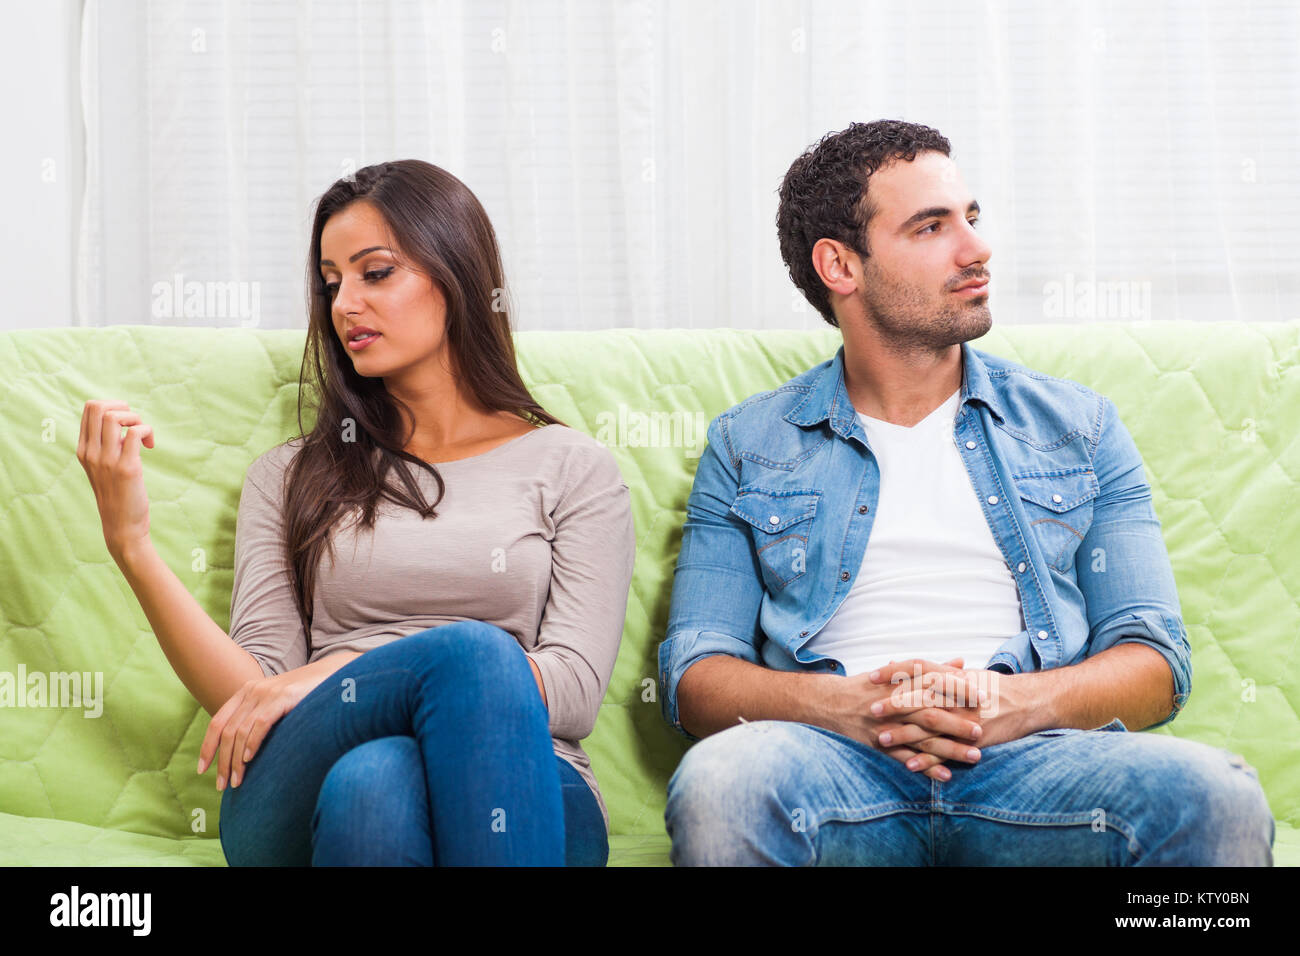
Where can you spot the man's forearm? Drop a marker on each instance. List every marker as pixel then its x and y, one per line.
pixel 715 692
pixel 1130 681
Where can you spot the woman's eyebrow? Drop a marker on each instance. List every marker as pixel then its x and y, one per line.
pixel 357 255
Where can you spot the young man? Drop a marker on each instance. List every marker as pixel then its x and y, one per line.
pixel 922 595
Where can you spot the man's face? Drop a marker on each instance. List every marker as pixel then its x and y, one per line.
pixel 923 245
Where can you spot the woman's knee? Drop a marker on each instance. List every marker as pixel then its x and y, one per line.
pixel 373 805
pixel 470 646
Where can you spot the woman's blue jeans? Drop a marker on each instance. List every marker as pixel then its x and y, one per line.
pixel 783 793
pixel 431 750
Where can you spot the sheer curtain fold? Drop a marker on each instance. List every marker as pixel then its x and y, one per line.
pixel 1133 161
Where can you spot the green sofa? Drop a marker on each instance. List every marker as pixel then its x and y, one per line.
pixel 1214 408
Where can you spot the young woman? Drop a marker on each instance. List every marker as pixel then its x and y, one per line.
pixel 429 585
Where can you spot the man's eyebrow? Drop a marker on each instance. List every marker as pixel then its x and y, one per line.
pixel 934 212
pixel 357 255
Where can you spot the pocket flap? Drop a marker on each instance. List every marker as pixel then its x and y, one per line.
pixel 772 511
pixel 1058 493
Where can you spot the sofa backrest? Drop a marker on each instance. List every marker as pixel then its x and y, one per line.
pixel 1214 408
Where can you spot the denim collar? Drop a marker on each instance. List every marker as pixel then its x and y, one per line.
pixel 828 398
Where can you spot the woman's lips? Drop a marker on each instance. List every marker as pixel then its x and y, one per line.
pixel 359 344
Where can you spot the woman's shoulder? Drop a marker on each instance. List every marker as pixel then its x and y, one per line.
pixel 564 437
pixel 267 469
pixel 572 447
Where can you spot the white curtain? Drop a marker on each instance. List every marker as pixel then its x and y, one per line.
pixel 1134 161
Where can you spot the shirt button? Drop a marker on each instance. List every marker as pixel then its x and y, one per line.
pixel 1021 567
pixel 774 520
pixel 831 666
pixel 993 499
pixel 970 444
pixel 803 633
pixel 1042 635
pixel 1056 498
pixel 844 575
pixel 862 509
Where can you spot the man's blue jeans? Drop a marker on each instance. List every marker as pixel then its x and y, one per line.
pixel 433 749
pixel 784 793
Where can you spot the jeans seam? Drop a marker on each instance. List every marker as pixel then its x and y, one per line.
pixel 864 814
pixel 829 817
pixel 1114 822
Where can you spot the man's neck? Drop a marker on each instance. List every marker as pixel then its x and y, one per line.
pixel 901 388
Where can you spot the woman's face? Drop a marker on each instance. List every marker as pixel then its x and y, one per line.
pixel 370 288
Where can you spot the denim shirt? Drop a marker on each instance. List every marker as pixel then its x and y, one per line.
pixel 785 496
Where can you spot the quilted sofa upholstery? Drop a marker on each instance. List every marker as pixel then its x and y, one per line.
pixel 1214 408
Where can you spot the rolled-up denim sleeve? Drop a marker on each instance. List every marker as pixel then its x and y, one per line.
pixel 1123 565
pixel 717 584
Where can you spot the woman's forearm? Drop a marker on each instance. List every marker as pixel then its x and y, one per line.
pixel 210 665
pixel 327 665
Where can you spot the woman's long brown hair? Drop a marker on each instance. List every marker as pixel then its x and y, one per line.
pixel 438 227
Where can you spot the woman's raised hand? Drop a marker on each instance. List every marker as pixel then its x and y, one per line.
pixel 112 463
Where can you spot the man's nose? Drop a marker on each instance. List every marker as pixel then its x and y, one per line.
pixel 975 248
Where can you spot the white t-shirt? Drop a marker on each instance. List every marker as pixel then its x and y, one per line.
pixel 933 583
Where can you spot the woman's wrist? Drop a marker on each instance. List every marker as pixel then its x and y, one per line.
pixel 134 555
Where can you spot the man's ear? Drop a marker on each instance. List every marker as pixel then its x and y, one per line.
pixel 837 266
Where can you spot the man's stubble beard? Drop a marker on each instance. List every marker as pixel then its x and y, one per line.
pixel 907 322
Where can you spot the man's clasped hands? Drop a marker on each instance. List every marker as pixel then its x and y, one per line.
pixel 922 713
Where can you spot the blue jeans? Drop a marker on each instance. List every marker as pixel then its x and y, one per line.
pixel 433 749
pixel 784 793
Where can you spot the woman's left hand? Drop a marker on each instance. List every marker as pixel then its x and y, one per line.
pixel 242 723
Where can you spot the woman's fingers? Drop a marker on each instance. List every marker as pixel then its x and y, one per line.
pixel 110 431
pixel 257 733
pixel 100 440
pixel 92 424
pixel 232 736
pixel 118 450
pixel 249 736
pixel 238 747
pixel 136 435
pixel 115 469
pixel 212 739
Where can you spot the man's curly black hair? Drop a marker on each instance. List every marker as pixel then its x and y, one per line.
pixel 824 194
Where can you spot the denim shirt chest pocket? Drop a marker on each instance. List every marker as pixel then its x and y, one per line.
pixel 781 524
pixel 1059 507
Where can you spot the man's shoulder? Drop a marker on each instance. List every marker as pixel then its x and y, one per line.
pixel 775 403
pixel 1031 400
pixel 1006 374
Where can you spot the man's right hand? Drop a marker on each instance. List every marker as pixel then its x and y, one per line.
pixel 923 693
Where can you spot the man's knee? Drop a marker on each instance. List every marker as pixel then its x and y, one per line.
pixel 1205 807
pixel 734 798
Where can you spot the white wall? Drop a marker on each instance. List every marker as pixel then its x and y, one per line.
pixel 41 162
